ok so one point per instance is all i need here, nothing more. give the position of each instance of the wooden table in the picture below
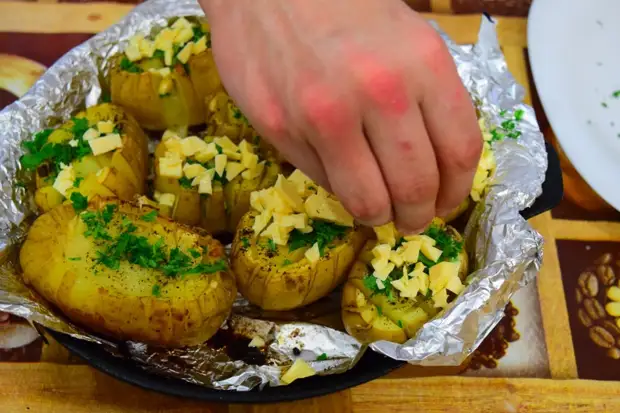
(59, 383)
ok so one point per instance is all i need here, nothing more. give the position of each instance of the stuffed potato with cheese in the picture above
(100, 152)
(399, 283)
(166, 79)
(128, 274)
(207, 181)
(295, 246)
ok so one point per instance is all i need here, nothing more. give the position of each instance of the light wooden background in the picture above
(51, 386)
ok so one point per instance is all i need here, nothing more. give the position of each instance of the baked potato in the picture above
(128, 274)
(102, 151)
(211, 179)
(399, 283)
(165, 79)
(295, 245)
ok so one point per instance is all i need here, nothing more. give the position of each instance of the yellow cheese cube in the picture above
(192, 144)
(164, 37)
(170, 134)
(173, 145)
(73, 143)
(185, 53)
(105, 144)
(440, 300)
(397, 258)
(220, 164)
(289, 193)
(261, 221)
(226, 144)
(233, 169)
(430, 252)
(181, 23)
(64, 180)
(455, 285)
(299, 370)
(278, 234)
(320, 207)
(198, 178)
(205, 184)
(167, 199)
(254, 173)
(200, 45)
(207, 154)
(184, 36)
(441, 273)
(424, 239)
(170, 167)
(386, 234)
(380, 284)
(249, 160)
(105, 127)
(411, 251)
(300, 181)
(419, 267)
(91, 134)
(133, 52)
(256, 201)
(234, 155)
(168, 55)
(147, 48)
(382, 271)
(382, 252)
(298, 221)
(276, 203)
(192, 170)
(313, 254)
(245, 147)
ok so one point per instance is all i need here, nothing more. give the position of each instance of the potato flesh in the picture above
(121, 304)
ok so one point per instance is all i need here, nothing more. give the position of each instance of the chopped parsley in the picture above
(156, 291)
(75, 259)
(245, 242)
(323, 233)
(219, 149)
(379, 310)
(78, 180)
(322, 357)
(79, 201)
(429, 294)
(615, 94)
(150, 216)
(194, 253)
(185, 182)
(450, 247)
(399, 323)
(271, 245)
(604, 104)
(159, 54)
(198, 33)
(287, 262)
(508, 128)
(129, 66)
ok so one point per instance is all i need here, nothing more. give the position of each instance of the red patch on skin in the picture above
(384, 87)
(328, 113)
(405, 146)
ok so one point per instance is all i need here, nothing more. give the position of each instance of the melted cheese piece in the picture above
(171, 166)
(288, 192)
(386, 234)
(261, 221)
(64, 180)
(166, 199)
(220, 164)
(192, 144)
(91, 134)
(105, 127)
(106, 144)
(233, 169)
(299, 370)
(200, 46)
(208, 153)
(313, 254)
(321, 207)
(191, 171)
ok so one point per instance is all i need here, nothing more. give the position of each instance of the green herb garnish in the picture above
(185, 182)
(159, 54)
(75, 259)
(129, 66)
(323, 233)
(399, 323)
(615, 94)
(156, 291)
(322, 357)
(450, 247)
(79, 201)
(150, 216)
(194, 253)
(287, 262)
(604, 104)
(245, 242)
(78, 180)
(508, 127)
(271, 245)
(379, 310)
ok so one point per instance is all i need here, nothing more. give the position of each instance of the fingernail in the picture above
(407, 231)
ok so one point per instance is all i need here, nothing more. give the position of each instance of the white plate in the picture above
(574, 48)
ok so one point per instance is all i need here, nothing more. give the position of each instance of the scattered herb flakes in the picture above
(322, 357)
(129, 66)
(156, 291)
(519, 114)
(379, 310)
(450, 247)
(615, 94)
(159, 54)
(79, 201)
(150, 216)
(287, 262)
(508, 128)
(271, 245)
(399, 323)
(198, 33)
(75, 259)
(219, 149)
(604, 104)
(194, 253)
(245, 242)
(324, 233)
(429, 294)
(78, 180)
(185, 182)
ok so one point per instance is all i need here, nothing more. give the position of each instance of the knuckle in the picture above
(417, 190)
(370, 210)
(465, 156)
(321, 110)
(433, 52)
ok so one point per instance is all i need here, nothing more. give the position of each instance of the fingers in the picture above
(406, 157)
(451, 122)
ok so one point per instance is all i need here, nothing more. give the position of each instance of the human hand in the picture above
(361, 96)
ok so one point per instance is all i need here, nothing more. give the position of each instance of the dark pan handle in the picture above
(552, 188)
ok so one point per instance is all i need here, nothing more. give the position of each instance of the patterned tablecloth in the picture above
(557, 328)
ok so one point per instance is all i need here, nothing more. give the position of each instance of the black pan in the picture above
(371, 366)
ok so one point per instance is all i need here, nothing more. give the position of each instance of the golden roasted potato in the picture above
(128, 274)
(166, 79)
(224, 118)
(65, 162)
(302, 255)
(218, 204)
(398, 284)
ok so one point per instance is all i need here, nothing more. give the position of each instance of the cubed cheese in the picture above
(164, 37)
(298, 221)
(275, 202)
(167, 199)
(106, 144)
(440, 300)
(185, 53)
(200, 45)
(321, 207)
(386, 234)
(233, 169)
(382, 252)
(205, 185)
(261, 221)
(289, 193)
(256, 201)
(397, 258)
(64, 180)
(73, 143)
(133, 52)
(170, 167)
(105, 127)
(382, 271)
(234, 155)
(192, 170)
(207, 154)
(192, 145)
(197, 179)
(170, 134)
(380, 284)
(91, 134)
(165, 86)
(429, 252)
(183, 36)
(254, 173)
(156, 195)
(147, 48)
(455, 285)
(441, 273)
(245, 147)
(249, 160)
(278, 234)
(220, 164)
(313, 254)
(181, 23)
(225, 143)
(173, 145)
(163, 72)
(411, 251)
(299, 370)
(300, 181)
(168, 55)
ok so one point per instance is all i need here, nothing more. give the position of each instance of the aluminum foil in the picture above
(506, 251)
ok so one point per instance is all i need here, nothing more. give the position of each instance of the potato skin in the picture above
(183, 106)
(264, 279)
(220, 212)
(359, 307)
(120, 303)
(127, 168)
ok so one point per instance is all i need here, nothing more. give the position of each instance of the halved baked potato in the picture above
(128, 274)
(399, 283)
(295, 246)
(211, 178)
(101, 151)
(165, 79)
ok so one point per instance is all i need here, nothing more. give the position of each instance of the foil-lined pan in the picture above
(506, 251)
